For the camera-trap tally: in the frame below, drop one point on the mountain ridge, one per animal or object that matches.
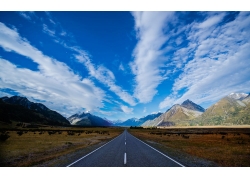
(36, 110)
(140, 121)
(177, 115)
(230, 110)
(88, 119)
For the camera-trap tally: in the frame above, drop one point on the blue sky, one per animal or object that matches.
(123, 64)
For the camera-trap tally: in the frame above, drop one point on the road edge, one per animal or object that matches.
(94, 151)
(159, 152)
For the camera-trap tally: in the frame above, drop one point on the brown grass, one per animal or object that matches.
(228, 147)
(32, 148)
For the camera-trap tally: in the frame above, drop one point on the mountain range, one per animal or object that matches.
(140, 121)
(177, 115)
(233, 109)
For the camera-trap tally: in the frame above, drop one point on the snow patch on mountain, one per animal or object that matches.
(238, 96)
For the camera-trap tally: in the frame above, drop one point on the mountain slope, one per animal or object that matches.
(22, 110)
(233, 109)
(177, 115)
(87, 119)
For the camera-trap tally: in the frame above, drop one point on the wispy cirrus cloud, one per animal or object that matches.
(54, 83)
(220, 62)
(27, 14)
(99, 72)
(48, 31)
(148, 54)
(105, 76)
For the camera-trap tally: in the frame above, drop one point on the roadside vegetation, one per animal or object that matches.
(227, 147)
(26, 145)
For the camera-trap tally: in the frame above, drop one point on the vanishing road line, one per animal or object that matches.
(129, 153)
(92, 152)
(160, 152)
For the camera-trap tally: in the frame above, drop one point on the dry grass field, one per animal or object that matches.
(227, 147)
(31, 147)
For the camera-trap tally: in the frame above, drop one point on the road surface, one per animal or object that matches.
(125, 151)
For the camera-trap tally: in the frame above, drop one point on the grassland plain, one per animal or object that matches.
(50, 146)
(201, 146)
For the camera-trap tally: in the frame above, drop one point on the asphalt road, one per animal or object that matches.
(125, 151)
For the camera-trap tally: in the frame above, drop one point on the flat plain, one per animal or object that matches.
(220, 146)
(36, 146)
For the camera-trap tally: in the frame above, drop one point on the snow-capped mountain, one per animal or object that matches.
(87, 119)
(177, 115)
(139, 122)
(233, 109)
(238, 96)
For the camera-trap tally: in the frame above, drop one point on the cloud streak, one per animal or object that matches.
(55, 82)
(220, 62)
(148, 54)
(105, 76)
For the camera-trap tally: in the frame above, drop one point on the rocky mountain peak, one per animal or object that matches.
(191, 105)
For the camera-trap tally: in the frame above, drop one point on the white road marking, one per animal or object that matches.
(92, 152)
(125, 143)
(125, 158)
(160, 152)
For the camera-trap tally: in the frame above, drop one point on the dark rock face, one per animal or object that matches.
(190, 105)
(52, 117)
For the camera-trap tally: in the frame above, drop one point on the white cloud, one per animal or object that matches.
(105, 76)
(148, 56)
(126, 109)
(121, 67)
(54, 82)
(25, 15)
(219, 65)
(63, 33)
(101, 73)
(211, 21)
(48, 31)
(168, 101)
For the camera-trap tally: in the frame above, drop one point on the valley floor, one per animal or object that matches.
(213, 146)
(50, 146)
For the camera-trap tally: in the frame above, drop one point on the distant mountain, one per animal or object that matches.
(139, 122)
(129, 122)
(18, 108)
(177, 115)
(87, 119)
(233, 109)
